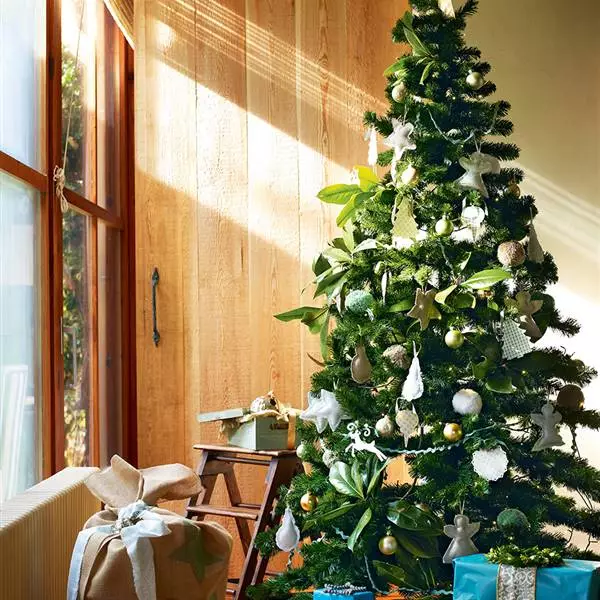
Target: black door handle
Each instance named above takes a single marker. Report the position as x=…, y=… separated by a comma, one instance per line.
x=155, y=332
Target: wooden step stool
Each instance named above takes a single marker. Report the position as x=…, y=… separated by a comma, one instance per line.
x=219, y=460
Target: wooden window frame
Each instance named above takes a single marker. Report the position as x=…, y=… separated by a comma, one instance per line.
x=51, y=276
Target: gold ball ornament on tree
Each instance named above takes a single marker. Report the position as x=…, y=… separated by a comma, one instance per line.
x=309, y=502
x=513, y=189
x=399, y=91
x=453, y=432
x=475, y=80
x=388, y=545
x=511, y=254
x=409, y=175
x=454, y=339
x=571, y=397
x=444, y=226
x=385, y=427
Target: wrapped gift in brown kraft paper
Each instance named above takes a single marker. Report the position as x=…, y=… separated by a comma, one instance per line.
x=134, y=550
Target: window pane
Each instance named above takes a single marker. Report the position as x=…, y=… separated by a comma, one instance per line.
x=109, y=130
x=20, y=397
x=78, y=94
x=22, y=80
x=77, y=328
x=109, y=341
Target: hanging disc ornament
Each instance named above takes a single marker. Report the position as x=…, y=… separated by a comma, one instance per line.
x=571, y=397
x=309, y=502
x=511, y=254
x=444, y=226
x=359, y=301
x=453, y=432
x=388, y=545
x=408, y=422
x=467, y=402
x=454, y=339
x=475, y=80
x=385, y=427
x=490, y=464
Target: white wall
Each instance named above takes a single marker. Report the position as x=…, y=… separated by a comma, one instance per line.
x=545, y=56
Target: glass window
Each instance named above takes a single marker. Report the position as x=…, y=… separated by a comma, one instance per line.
x=20, y=397
x=22, y=80
x=77, y=337
x=79, y=94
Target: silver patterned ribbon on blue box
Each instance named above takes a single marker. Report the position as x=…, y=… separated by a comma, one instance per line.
x=135, y=525
x=515, y=583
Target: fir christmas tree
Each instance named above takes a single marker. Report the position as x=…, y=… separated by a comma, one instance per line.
x=434, y=303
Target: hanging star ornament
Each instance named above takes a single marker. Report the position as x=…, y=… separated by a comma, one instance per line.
x=424, y=309
x=476, y=165
x=323, y=410
x=400, y=141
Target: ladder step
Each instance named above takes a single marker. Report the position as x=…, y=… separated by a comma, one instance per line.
x=224, y=511
x=241, y=460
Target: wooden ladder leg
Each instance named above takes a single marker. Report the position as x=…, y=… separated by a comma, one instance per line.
x=235, y=498
x=208, y=485
x=280, y=472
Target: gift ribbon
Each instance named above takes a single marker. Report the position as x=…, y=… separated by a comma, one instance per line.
x=515, y=583
x=135, y=525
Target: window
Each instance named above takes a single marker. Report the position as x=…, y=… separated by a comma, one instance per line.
x=66, y=381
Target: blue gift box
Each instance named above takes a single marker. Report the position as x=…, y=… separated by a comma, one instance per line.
x=321, y=594
x=475, y=579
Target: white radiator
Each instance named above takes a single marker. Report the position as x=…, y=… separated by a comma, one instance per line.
x=37, y=532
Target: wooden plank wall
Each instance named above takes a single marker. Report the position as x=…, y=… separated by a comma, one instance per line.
x=244, y=110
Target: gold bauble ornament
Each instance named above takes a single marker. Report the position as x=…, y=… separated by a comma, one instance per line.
x=444, y=226
x=409, y=175
x=453, y=432
x=385, y=427
x=514, y=189
x=399, y=91
x=511, y=254
x=483, y=294
x=309, y=502
x=571, y=397
x=388, y=545
x=454, y=339
x=475, y=80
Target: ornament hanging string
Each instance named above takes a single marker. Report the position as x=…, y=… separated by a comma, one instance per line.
x=59, y=171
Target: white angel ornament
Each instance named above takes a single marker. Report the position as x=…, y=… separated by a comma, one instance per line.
x=476, y=165
x=461, y=533
x=548, y=420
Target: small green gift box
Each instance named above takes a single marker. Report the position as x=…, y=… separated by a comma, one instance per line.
x=253, y=431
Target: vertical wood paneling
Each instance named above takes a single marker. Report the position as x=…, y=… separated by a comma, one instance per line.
x=244, y=110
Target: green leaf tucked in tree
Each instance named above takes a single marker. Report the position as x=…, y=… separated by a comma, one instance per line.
x=339, y=193
x=362, y=523
x=408, y=516
x=340, y=477
x=367, y=178
x=486, y=279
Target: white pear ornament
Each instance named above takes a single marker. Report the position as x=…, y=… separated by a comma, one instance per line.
x=288, y=534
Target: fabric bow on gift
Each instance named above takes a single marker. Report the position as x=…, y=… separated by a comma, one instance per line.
x=131, y=495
